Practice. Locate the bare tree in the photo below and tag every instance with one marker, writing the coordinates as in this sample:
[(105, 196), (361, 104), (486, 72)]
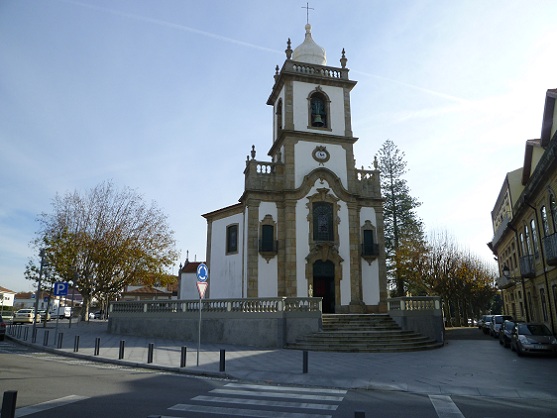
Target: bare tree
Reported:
[(440, 267), (106, 239)]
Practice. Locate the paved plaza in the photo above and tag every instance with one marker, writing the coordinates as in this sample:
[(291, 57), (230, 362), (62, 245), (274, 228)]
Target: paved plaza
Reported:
[(470, 363)]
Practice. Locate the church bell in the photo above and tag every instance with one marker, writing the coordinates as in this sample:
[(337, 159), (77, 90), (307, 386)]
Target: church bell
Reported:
[(317, 121)]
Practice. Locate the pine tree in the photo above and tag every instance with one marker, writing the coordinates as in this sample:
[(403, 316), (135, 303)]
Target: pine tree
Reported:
[(400, 219)]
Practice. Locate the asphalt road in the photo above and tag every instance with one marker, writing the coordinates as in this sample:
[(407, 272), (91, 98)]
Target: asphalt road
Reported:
[(53, 386)]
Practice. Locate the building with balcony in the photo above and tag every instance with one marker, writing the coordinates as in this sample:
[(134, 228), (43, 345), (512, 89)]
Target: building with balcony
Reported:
[(309, 223), (525, 228)]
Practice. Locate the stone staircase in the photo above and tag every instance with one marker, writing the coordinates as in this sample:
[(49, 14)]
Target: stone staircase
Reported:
[(363, 333)]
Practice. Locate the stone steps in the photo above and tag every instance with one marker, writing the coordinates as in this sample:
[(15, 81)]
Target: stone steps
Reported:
[(362, 333)]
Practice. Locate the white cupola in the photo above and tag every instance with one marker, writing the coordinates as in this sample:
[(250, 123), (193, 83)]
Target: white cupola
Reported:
[(309, 52)]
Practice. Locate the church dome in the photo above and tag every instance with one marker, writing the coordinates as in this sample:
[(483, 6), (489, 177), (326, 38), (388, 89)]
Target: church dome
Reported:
[(309, 52)]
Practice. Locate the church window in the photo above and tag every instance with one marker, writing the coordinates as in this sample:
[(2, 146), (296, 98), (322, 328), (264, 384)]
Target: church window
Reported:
[(232, 239), (323, 222), (318, 110), (369, 248), (267, 243)]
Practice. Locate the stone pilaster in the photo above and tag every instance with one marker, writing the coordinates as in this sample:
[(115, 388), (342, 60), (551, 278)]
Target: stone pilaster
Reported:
[(252, 250)]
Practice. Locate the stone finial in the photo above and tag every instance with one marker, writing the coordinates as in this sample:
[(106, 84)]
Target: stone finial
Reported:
[(288, 50), (375, 164), (253, 152), (343, 59)]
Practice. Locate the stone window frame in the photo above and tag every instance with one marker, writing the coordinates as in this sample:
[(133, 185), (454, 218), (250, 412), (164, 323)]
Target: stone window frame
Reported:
[(323, 196), (318, 91), (268, 221), (228, 246), (369, 256)]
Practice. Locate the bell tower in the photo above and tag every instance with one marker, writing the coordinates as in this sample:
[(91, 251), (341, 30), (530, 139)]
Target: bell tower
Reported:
[(309, 223), (311, 103)]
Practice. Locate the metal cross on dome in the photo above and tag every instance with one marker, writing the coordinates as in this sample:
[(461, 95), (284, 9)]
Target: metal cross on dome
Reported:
[(307, 11)]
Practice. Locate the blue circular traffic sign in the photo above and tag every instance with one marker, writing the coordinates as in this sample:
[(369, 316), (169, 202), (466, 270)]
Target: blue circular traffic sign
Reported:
[(202, 272)]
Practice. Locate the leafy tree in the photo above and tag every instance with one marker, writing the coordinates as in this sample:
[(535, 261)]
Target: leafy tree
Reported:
[(400, 219), (104, 240)]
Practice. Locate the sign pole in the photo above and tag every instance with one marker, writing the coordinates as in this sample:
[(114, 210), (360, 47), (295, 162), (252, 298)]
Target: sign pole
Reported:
[(199, 333), (202, 276)]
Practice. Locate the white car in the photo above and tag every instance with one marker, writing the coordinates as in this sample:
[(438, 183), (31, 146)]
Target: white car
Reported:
[(25, 316)]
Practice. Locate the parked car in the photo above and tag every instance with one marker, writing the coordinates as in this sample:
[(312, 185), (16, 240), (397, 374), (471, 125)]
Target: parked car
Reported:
[(496, 322), (485, 323), (533, 338), (2, 328), (505, 333), (45, 316), (96, 315), (26, 316)]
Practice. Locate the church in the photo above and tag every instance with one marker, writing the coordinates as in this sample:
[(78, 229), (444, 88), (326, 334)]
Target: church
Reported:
[(309, 223)]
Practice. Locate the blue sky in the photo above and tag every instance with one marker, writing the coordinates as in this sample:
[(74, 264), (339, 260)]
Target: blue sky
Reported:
[(168, 96)]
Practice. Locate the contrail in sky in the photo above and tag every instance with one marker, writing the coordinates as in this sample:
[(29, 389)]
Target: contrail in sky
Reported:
[(173, 26), (422, 89), (249, 45)]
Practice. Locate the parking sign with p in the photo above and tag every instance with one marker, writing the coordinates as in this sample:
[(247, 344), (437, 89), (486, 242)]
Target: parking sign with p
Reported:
[(61, 289)]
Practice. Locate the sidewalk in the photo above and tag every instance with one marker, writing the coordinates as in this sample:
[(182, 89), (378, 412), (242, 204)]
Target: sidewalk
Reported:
[(469, 364)]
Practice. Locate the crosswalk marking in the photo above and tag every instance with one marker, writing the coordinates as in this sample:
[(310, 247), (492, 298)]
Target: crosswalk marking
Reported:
[(284, 404), (54, 403), (254, 413), (267, 398), (445, 407), (278, 395), (288, 388)]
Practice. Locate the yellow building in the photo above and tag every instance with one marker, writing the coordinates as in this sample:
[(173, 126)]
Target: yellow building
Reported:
[(525, 228)]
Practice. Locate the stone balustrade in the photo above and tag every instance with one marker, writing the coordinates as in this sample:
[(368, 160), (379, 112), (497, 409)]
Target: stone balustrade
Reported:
[(258, 322), (244, 305), (422, 314)]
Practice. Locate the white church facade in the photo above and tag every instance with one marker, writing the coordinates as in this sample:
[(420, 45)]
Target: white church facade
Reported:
[(309, 223)]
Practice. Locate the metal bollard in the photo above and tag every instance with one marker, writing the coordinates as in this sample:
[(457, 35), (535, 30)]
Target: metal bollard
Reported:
[(183, 356), (34, 336), (97, 346), (121, 353), (150, 353), (60, 339), (359, 414), (222, 361), (45, 338), (8, 404), (76, 344), (305, 362)]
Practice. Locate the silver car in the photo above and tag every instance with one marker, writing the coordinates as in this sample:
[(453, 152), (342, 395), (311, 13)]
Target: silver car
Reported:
[(533, 338)]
